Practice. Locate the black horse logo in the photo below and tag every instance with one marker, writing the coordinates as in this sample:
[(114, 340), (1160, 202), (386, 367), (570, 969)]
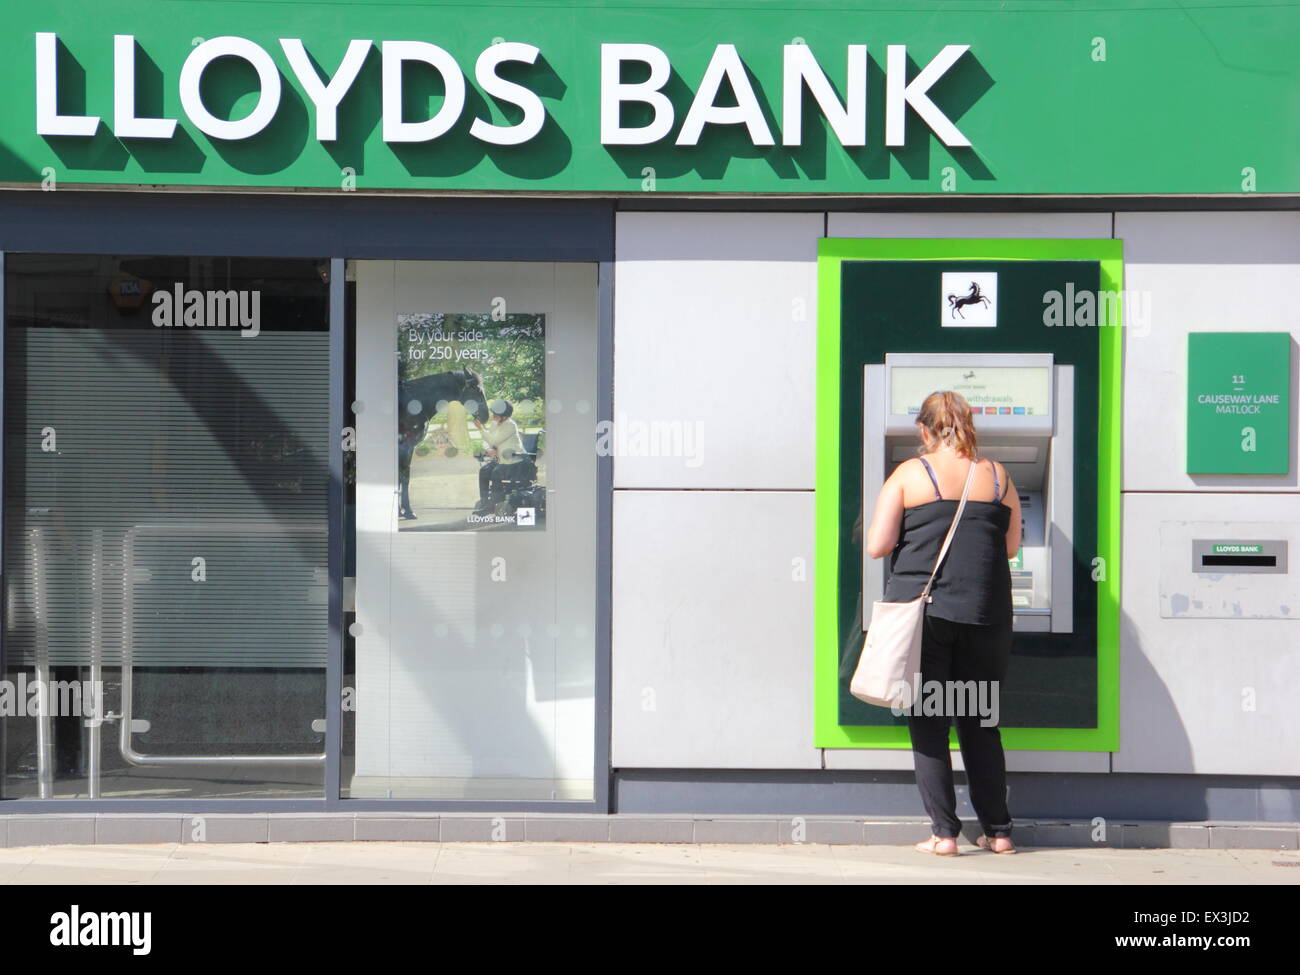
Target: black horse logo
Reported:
[(974, 298), (417, 402)]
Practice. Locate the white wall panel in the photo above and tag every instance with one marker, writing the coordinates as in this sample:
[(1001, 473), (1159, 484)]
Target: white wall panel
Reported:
[(712, 656), (712, 630), (969, 225), (1199, 272), (1203, 695), (715, 335)]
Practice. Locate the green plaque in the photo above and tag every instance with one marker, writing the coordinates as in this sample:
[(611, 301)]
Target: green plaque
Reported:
[(1238, 402)]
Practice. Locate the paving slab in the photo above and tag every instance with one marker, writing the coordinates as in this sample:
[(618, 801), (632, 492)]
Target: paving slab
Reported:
[(501, 862)]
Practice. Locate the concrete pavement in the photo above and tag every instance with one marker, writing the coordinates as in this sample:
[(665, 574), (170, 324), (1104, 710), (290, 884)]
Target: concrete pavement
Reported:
[(628, 863)]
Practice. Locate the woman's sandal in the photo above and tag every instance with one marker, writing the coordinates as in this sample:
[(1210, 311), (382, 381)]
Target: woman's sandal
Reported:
[(928, 846), (984, 843)]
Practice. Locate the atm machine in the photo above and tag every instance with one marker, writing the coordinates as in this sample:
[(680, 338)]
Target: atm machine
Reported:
[(1023, 408)]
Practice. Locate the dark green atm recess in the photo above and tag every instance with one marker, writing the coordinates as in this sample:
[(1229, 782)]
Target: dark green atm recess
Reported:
[(888, 296)]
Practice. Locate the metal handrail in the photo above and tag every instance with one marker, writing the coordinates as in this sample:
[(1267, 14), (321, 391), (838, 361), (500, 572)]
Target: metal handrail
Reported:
[(44, 731), (95, 736), (129, 753)]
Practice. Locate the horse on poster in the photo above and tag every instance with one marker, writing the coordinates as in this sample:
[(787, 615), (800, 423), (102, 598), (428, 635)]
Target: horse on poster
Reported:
[(418, 400)]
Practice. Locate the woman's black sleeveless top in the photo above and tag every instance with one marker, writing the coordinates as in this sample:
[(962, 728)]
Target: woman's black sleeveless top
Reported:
[(974, 583)]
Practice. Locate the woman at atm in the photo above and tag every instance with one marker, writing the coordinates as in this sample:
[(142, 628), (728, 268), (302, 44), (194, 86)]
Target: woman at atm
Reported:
[(967, 628)]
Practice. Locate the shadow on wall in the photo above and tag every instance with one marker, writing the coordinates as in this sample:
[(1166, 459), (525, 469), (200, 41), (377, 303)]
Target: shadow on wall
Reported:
[(1148, 714), (465, 694)]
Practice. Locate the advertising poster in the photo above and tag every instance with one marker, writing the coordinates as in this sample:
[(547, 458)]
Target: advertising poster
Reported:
[(471, 440)]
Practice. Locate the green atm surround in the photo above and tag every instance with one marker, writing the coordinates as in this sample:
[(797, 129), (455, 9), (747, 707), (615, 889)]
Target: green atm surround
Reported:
[(832, 253)]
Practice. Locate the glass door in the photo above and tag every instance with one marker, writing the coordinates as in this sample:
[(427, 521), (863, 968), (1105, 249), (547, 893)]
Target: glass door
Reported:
[(470, 624), (165, 554)]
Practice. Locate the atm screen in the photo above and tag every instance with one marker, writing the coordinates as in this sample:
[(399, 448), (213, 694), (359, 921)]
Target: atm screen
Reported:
[(990, 390)]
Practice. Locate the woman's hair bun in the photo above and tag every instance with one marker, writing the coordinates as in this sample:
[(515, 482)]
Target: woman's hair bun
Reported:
[(946, 415)]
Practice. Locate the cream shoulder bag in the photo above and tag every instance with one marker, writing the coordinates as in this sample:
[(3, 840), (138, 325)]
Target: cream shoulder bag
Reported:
[(891, 653)]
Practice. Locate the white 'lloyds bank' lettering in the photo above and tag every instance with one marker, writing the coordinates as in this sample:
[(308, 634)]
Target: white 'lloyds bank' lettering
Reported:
[(801, 73)]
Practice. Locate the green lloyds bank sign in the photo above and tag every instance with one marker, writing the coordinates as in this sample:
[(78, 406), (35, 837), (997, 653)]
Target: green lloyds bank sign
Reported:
[(615, 97)]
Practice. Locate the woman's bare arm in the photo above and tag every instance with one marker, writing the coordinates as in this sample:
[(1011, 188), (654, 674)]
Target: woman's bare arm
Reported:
[(882, 536), (1012, 499)]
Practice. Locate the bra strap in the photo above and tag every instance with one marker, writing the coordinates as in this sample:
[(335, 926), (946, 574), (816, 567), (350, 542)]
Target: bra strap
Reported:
[(929, 471)]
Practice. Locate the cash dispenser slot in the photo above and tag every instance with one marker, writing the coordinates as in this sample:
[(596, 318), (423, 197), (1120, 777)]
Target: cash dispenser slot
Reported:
[(1235, 555), (1269, 560)]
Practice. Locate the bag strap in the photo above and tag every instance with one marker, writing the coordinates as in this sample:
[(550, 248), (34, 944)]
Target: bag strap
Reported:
[(952, 530)]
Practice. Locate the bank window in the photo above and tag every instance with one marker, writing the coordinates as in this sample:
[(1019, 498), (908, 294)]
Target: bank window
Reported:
[(165, 485)]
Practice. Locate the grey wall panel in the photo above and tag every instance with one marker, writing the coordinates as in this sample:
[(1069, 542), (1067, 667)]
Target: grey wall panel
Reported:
[(976, 225), (1202, 237), (1198, 272), (1202, 695), (715, 335), (1046, 796), (712, 630)]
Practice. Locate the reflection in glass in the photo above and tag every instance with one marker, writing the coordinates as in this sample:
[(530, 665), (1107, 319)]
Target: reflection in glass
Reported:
[(471, 648), (165, 546)]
